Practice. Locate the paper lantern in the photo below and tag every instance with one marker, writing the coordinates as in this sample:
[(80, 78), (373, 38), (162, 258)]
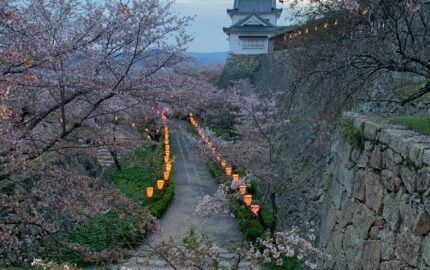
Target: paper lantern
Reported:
[(166, 141), (235, 177), (167, 153), (168, 167), (166, 159), (116, 118), (223, 163), (242, 189), (167, 146), (149, 192), (255, 208), (218, 158), (247, 199), (228, 170), (166, 176), (160, 184), (191, 114), (133, 125)]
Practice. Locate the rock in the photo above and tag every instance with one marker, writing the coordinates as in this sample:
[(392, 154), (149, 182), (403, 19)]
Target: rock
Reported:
[(408, 247), (391, 181), (358, 190), (376, 158), (371, 254), (363, 219), (349, 207), (426, 157), (397, 159), (408, 178), (388, 244), (371, 129), (391, 265), (352, 246), (416, 152), (426, 250), (355, 155), (423, 182), (391, 213), (374, 191), (374, 231), (422, 223), (388, 159), (335, 193)]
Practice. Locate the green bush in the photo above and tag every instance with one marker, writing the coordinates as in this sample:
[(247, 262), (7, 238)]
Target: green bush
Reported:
[(353, 136), (290, 263), (249, 224)]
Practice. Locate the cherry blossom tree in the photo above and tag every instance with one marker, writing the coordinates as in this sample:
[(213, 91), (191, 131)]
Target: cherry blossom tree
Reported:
[(67, 66)]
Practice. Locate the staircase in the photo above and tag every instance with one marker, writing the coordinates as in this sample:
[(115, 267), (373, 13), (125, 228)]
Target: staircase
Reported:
[(104, 157), (143, 262)]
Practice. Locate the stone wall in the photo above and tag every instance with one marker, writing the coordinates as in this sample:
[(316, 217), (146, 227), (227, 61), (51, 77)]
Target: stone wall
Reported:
[(239, 66), (375, 213)]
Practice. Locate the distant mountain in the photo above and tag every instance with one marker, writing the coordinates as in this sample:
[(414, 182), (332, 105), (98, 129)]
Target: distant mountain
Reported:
[(208, 58)]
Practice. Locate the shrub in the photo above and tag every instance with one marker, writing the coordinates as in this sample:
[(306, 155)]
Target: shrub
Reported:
[(353, 136), (249, 224)]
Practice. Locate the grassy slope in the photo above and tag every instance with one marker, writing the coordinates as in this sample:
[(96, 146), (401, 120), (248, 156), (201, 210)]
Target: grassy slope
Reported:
[(110, 231), (420, 124)]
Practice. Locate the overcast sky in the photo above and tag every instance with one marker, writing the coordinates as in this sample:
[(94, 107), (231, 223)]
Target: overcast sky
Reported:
[(207, 27)]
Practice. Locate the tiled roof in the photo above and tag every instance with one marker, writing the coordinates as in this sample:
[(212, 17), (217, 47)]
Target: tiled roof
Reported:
[(251, 29), (254, 5), (265, 21)]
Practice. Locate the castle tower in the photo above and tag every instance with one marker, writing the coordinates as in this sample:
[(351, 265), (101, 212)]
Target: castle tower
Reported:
[(253, 23)]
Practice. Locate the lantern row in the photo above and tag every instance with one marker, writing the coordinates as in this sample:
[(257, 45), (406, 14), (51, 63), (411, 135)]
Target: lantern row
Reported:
[(317, 28), (167, 162), (247, 198)]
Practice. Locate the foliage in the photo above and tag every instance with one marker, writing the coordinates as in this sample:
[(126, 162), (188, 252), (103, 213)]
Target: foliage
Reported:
[(353, 136), (290, 263), (216, 171), (420, 124), (194, 251), (249, 224)]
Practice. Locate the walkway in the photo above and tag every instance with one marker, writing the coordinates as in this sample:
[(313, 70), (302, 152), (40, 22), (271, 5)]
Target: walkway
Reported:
[(192, 182)]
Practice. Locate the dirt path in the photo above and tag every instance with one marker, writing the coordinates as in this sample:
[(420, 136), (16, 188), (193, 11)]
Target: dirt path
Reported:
[(192, 182)]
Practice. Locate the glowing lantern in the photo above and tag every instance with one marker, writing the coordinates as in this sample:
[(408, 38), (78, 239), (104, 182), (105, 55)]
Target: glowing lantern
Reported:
[(133, 124), (235, 177), (166, 159), (191, 114), (325, 25), (168, 167), (167, 153), (223, 163), (149, 192), (218, 158), (167, 146), (336, 22), (242, 189), (163, 117), (255, 208), (116, 118), (166, 175), (228, 170), (160, 184), (247, 199), (306, 30)]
